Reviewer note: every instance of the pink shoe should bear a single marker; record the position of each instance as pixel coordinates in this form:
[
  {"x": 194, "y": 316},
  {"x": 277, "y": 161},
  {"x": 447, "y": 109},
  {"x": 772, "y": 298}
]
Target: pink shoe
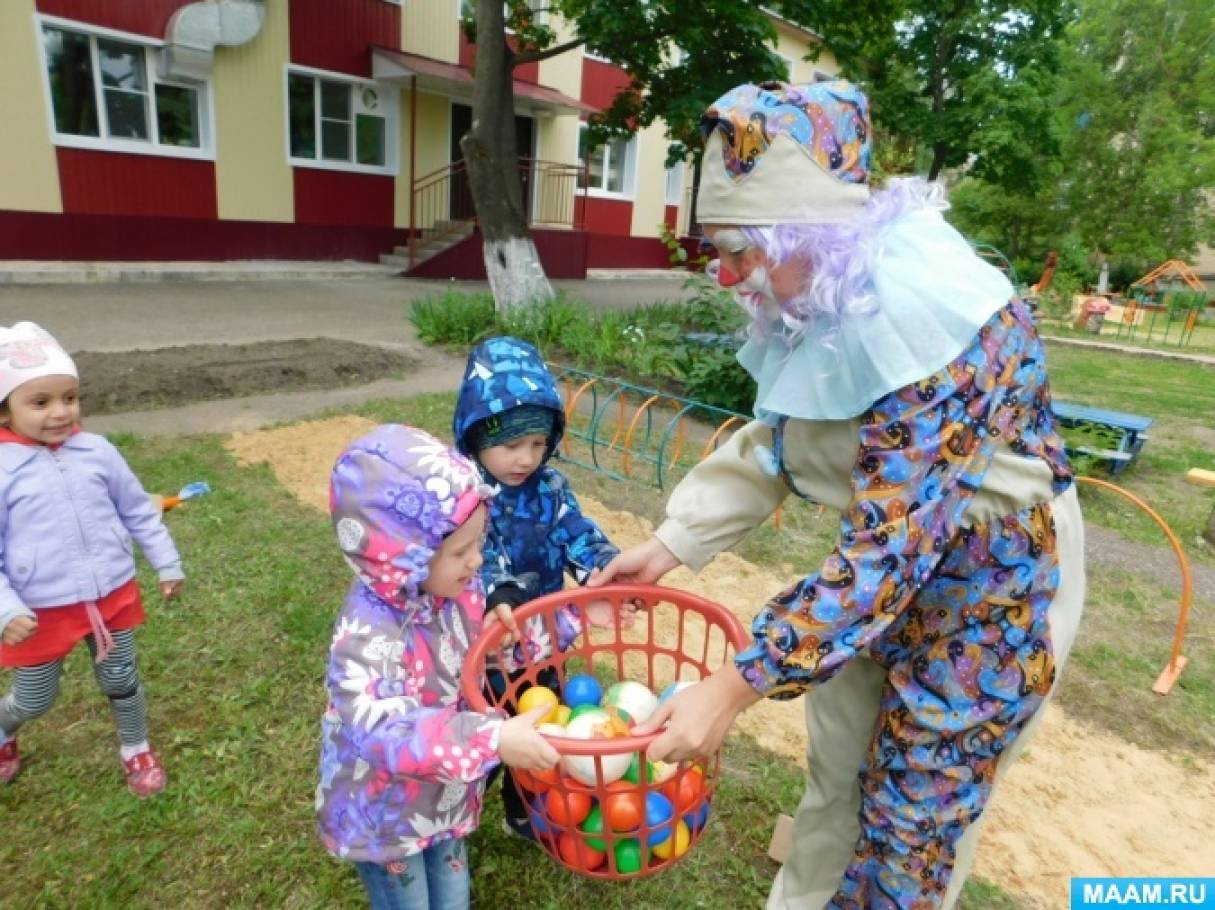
[
  {"x": 145, "y": 774},
  {"x": 10, "y": 761}
]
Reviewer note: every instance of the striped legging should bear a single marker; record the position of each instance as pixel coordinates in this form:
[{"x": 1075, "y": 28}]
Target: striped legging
[{"x": 36, "y": 688}]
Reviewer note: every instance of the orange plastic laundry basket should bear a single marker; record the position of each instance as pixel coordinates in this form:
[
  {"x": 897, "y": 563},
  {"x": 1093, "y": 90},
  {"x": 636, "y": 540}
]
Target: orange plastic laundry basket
[{"x": 679, "y": 636}]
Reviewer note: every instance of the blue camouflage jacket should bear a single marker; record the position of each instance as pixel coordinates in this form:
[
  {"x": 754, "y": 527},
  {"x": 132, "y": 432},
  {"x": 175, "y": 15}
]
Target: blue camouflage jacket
[{"x": 536, "y": 530}]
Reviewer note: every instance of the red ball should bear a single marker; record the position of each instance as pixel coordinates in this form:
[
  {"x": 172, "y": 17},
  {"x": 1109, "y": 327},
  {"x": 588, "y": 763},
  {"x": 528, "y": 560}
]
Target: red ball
[
  {"x": 577, "y": 854},
  {"x": 568, "y": 807},
  {"x": 624, "y": 809},
  {"x": 685, "y": 790}
]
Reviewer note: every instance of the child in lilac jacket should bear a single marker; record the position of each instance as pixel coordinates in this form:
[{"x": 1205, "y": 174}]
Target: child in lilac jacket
[
  {"x": 71, "y": 511},
  {"x": 403, "y": 760}
]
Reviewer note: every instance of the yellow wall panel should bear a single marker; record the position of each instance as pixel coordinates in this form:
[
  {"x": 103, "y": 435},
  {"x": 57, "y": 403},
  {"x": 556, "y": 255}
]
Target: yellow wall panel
[
  {"x": 433, "y": 152},
  {"x": 649, "y": 198},
  {"x": 253, "y": 179},
  {"x": 555, "y": 195},
  {"x": 29, "y": 173},
  {"x": 563, "y": 72},
  {"x": 795, "y": 44},
  {"x": 431, "y": 28}
]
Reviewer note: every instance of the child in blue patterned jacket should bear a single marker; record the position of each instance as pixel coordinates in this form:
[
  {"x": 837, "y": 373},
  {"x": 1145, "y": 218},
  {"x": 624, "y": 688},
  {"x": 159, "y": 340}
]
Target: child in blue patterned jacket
[{"x": 510, "y": 420}]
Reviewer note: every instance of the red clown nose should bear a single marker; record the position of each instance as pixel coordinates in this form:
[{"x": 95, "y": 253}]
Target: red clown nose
[{"x": 725, "y": 277}]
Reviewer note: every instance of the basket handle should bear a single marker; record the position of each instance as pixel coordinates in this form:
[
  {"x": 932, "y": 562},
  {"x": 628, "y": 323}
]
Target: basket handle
[{"x": 493, "y": 635}]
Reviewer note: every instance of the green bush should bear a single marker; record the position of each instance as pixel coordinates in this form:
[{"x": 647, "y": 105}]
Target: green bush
[{"x": 647, "y": 345}]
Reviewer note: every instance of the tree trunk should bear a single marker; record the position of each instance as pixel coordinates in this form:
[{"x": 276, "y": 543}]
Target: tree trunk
[{"x": 512, "y": 264}]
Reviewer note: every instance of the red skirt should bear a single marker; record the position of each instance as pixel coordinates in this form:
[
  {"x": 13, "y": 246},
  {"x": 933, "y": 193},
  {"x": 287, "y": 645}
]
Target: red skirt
[{"x": 60, "y": 628}]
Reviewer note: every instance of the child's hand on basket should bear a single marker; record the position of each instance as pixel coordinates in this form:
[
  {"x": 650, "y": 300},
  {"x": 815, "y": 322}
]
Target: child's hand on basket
[
  {"x": 19, "y": 629},
  {"x": 504, "y": 614},
  {"x": 520, "y": 746},
  {"x": 601, "y": 614}
]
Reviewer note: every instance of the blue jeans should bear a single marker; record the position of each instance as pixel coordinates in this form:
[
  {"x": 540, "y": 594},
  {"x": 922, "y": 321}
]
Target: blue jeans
[{"x": 435, "y": 879}]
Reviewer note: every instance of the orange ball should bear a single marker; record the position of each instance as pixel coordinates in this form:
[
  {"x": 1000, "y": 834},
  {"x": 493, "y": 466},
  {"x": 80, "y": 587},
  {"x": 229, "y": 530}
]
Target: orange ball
[
  {"x": 577, "y": 854},
  {"x": 540, "y": 781},
  {"x": 624, "y": 809},
  {"x": 568, "y": 807},
  {"x": 685, "y": 790}
]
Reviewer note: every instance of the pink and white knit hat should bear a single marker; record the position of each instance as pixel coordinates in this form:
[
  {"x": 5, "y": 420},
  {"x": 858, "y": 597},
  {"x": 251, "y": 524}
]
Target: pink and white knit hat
[{"x": 28, "y": 351}]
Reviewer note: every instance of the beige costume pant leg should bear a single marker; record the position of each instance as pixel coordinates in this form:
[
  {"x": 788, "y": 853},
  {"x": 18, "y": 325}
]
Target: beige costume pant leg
[{"x": 841, "y": 717}]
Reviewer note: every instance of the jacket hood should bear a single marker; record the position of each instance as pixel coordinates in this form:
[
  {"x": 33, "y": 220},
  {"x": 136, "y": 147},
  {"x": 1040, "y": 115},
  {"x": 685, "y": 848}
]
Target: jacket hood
[
  {"x": 504, "y": 373},
  {"x": 394, "y": 495}
]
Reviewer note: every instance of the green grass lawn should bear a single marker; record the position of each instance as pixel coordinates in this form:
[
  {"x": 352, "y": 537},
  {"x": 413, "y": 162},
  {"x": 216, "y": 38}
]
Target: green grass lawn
[
  {"x": 235, "y": 676},
  {"x": 235, "y": 669},
  {"x": 1180, "y": 397},
  {"x": 1201, "y": 342}
]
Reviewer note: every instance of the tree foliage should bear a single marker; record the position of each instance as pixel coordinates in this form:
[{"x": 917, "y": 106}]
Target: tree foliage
[
  {"x": 959, "y": 78},
  {"x": 1134, "y": 110}
]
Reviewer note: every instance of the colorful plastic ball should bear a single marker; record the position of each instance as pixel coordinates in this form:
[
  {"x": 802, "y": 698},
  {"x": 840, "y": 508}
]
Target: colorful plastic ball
[
  {"x": 686, "y": 790},
  {"x": 593, "y": 724},
  {"x": 658, "y": 814},
  {"x": 628, "y": 856},
  {"x": 550, "y": 729},
  {"x": 540, "y": 825},
  {"x": 620, "y": 720},
  {"x": 662, "y": 771},
  {"x": 582, "y": 689},
  {"x": 567, "y": 807},
  {"x": 633, "y": 775},
  {"x": 696, "y": 819},
  {"x": 634, "y": 699},
  {"x": 537, "y": 781},
  {"x": 624, "y": 808},
  {"x": 577, "y": 853},
  {"x": 577, "y": 712},
  {"x": 593, "y": 824},
  {"x": 674, "y": 846},
  {"x": 539, "y": 697},
  {"x": 563, "y": 714},
  {"x": 673, "y": 689}
]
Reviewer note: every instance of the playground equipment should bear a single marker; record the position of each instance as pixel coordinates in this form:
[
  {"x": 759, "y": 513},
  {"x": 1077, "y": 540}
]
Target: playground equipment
[
  {"x": 635, "y": 433},
  {"x": 989, "y": 253},
  {"x": 646, "y": 822},
  {"x": 1148, "y": 306}
]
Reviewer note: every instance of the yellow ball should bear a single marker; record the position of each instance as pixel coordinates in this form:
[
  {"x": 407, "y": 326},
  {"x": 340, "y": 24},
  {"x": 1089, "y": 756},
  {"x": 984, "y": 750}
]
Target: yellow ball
[
  {"x": 539, "y": 697},
  {"x": 563, "y": 714},
  {"x": 680, "y": 842}
]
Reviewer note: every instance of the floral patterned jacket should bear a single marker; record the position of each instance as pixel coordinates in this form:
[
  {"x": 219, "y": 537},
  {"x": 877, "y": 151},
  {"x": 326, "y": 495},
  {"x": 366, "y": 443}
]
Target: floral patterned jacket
[{"x": 403, "y": 762}]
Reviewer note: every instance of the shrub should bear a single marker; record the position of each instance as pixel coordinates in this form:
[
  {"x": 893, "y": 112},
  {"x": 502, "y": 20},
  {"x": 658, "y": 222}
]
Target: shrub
[{"x": 454, "y": 317}]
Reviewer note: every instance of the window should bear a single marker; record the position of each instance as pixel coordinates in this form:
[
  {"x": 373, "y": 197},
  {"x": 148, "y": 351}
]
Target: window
[
  {"x": 820, "y": 76},
  {"x": 339, "y": 124},
  {"x": 675, "y": 184},
  {"x": 104, "y": 93},
  {"x": 610, "y": 167}
]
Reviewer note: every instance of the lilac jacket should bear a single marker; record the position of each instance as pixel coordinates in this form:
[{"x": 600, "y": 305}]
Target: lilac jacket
[
  {"x": 67, "y": 520},
  {"x": 403, "y": 760}
]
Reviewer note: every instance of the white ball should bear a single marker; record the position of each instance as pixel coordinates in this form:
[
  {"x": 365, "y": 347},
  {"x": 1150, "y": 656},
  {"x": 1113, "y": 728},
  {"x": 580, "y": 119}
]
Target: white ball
[
  {"x": 633, "y": 699},
  {"x": 593, "y": 725}
]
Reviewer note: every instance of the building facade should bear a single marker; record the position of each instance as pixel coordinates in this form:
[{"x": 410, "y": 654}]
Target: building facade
[{"x": 310, "y": 129}]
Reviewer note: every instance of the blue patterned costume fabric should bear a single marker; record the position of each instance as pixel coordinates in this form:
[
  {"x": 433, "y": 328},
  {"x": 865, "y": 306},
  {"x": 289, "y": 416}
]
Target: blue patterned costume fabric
[
  {"x": 830, "y": 119},
  {"x": 955, "y": 612},
  {"x": 537, "y": 531}
]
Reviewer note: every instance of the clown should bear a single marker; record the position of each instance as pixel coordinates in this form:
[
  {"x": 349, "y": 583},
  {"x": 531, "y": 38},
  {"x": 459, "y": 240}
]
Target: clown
[{"x": 901, "y": 383}]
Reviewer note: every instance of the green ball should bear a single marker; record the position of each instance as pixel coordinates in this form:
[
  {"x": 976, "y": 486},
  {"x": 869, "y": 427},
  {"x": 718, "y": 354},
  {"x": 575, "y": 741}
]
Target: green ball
[
  {"x": 582, "y": 709},
  {"x": 633, "y": 775},
  {"x": 593, "y": 824},
  {"x": 628, "y": 856}
]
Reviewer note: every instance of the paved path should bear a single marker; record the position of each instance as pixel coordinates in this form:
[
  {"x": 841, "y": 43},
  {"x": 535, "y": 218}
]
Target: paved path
[
  {"x": 1204, "y": 359},
  {"x": 117, "y": 317}
]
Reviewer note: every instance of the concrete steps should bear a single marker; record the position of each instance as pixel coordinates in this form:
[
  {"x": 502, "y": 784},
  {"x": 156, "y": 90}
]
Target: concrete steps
[{"x": 444, "y": 235}]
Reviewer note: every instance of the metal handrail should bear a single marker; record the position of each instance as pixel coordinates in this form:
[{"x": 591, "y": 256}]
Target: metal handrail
[{"x": 558, "y": 192}]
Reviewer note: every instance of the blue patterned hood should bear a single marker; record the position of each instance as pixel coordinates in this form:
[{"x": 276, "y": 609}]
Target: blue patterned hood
[{"x": 504, "y": 373}]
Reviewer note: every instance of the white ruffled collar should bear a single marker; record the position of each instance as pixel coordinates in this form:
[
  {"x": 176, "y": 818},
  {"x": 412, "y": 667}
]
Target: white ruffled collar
[{"x": 933, "y": 294}]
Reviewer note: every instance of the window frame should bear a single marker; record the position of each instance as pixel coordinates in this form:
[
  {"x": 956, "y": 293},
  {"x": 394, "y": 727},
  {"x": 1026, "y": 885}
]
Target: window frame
[
  {"x": 386, "y": 109},
  {"x": 680, "y": 169},
  {"x": 628, "y": 191},
  {"x": 151, "y": 48}
]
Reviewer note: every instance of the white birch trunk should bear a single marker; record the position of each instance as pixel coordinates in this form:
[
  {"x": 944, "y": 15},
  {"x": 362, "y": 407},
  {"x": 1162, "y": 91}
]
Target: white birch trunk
[{"x": 516, "y": 277}]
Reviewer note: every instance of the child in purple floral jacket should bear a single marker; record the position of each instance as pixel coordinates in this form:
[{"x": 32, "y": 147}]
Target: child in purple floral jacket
[{"x": 403, "y": 762}]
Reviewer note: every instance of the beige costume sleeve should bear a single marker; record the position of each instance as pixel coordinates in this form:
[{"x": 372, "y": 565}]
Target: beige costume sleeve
[
  {"x": 721, "y": 499},
  {"x": 727, "y": 494}
]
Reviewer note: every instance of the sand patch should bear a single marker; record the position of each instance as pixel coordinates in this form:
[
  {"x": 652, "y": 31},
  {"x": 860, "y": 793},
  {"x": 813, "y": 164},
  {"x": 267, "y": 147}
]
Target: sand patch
[{"x": 1079, "y": 802}]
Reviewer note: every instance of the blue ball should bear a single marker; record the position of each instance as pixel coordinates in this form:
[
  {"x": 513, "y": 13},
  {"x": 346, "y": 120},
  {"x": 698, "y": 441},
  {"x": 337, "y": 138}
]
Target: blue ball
[
  {"x": 582, "y": 690},
  {"x": 658, "y": 815},
  {"x": 696, "y": 820},
  {"x": 541, "y": 827}
]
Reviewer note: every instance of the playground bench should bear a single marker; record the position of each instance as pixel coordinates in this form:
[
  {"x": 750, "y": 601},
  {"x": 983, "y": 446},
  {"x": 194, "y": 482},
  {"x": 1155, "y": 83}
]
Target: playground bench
[{"x": 1129, "y": 431}]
